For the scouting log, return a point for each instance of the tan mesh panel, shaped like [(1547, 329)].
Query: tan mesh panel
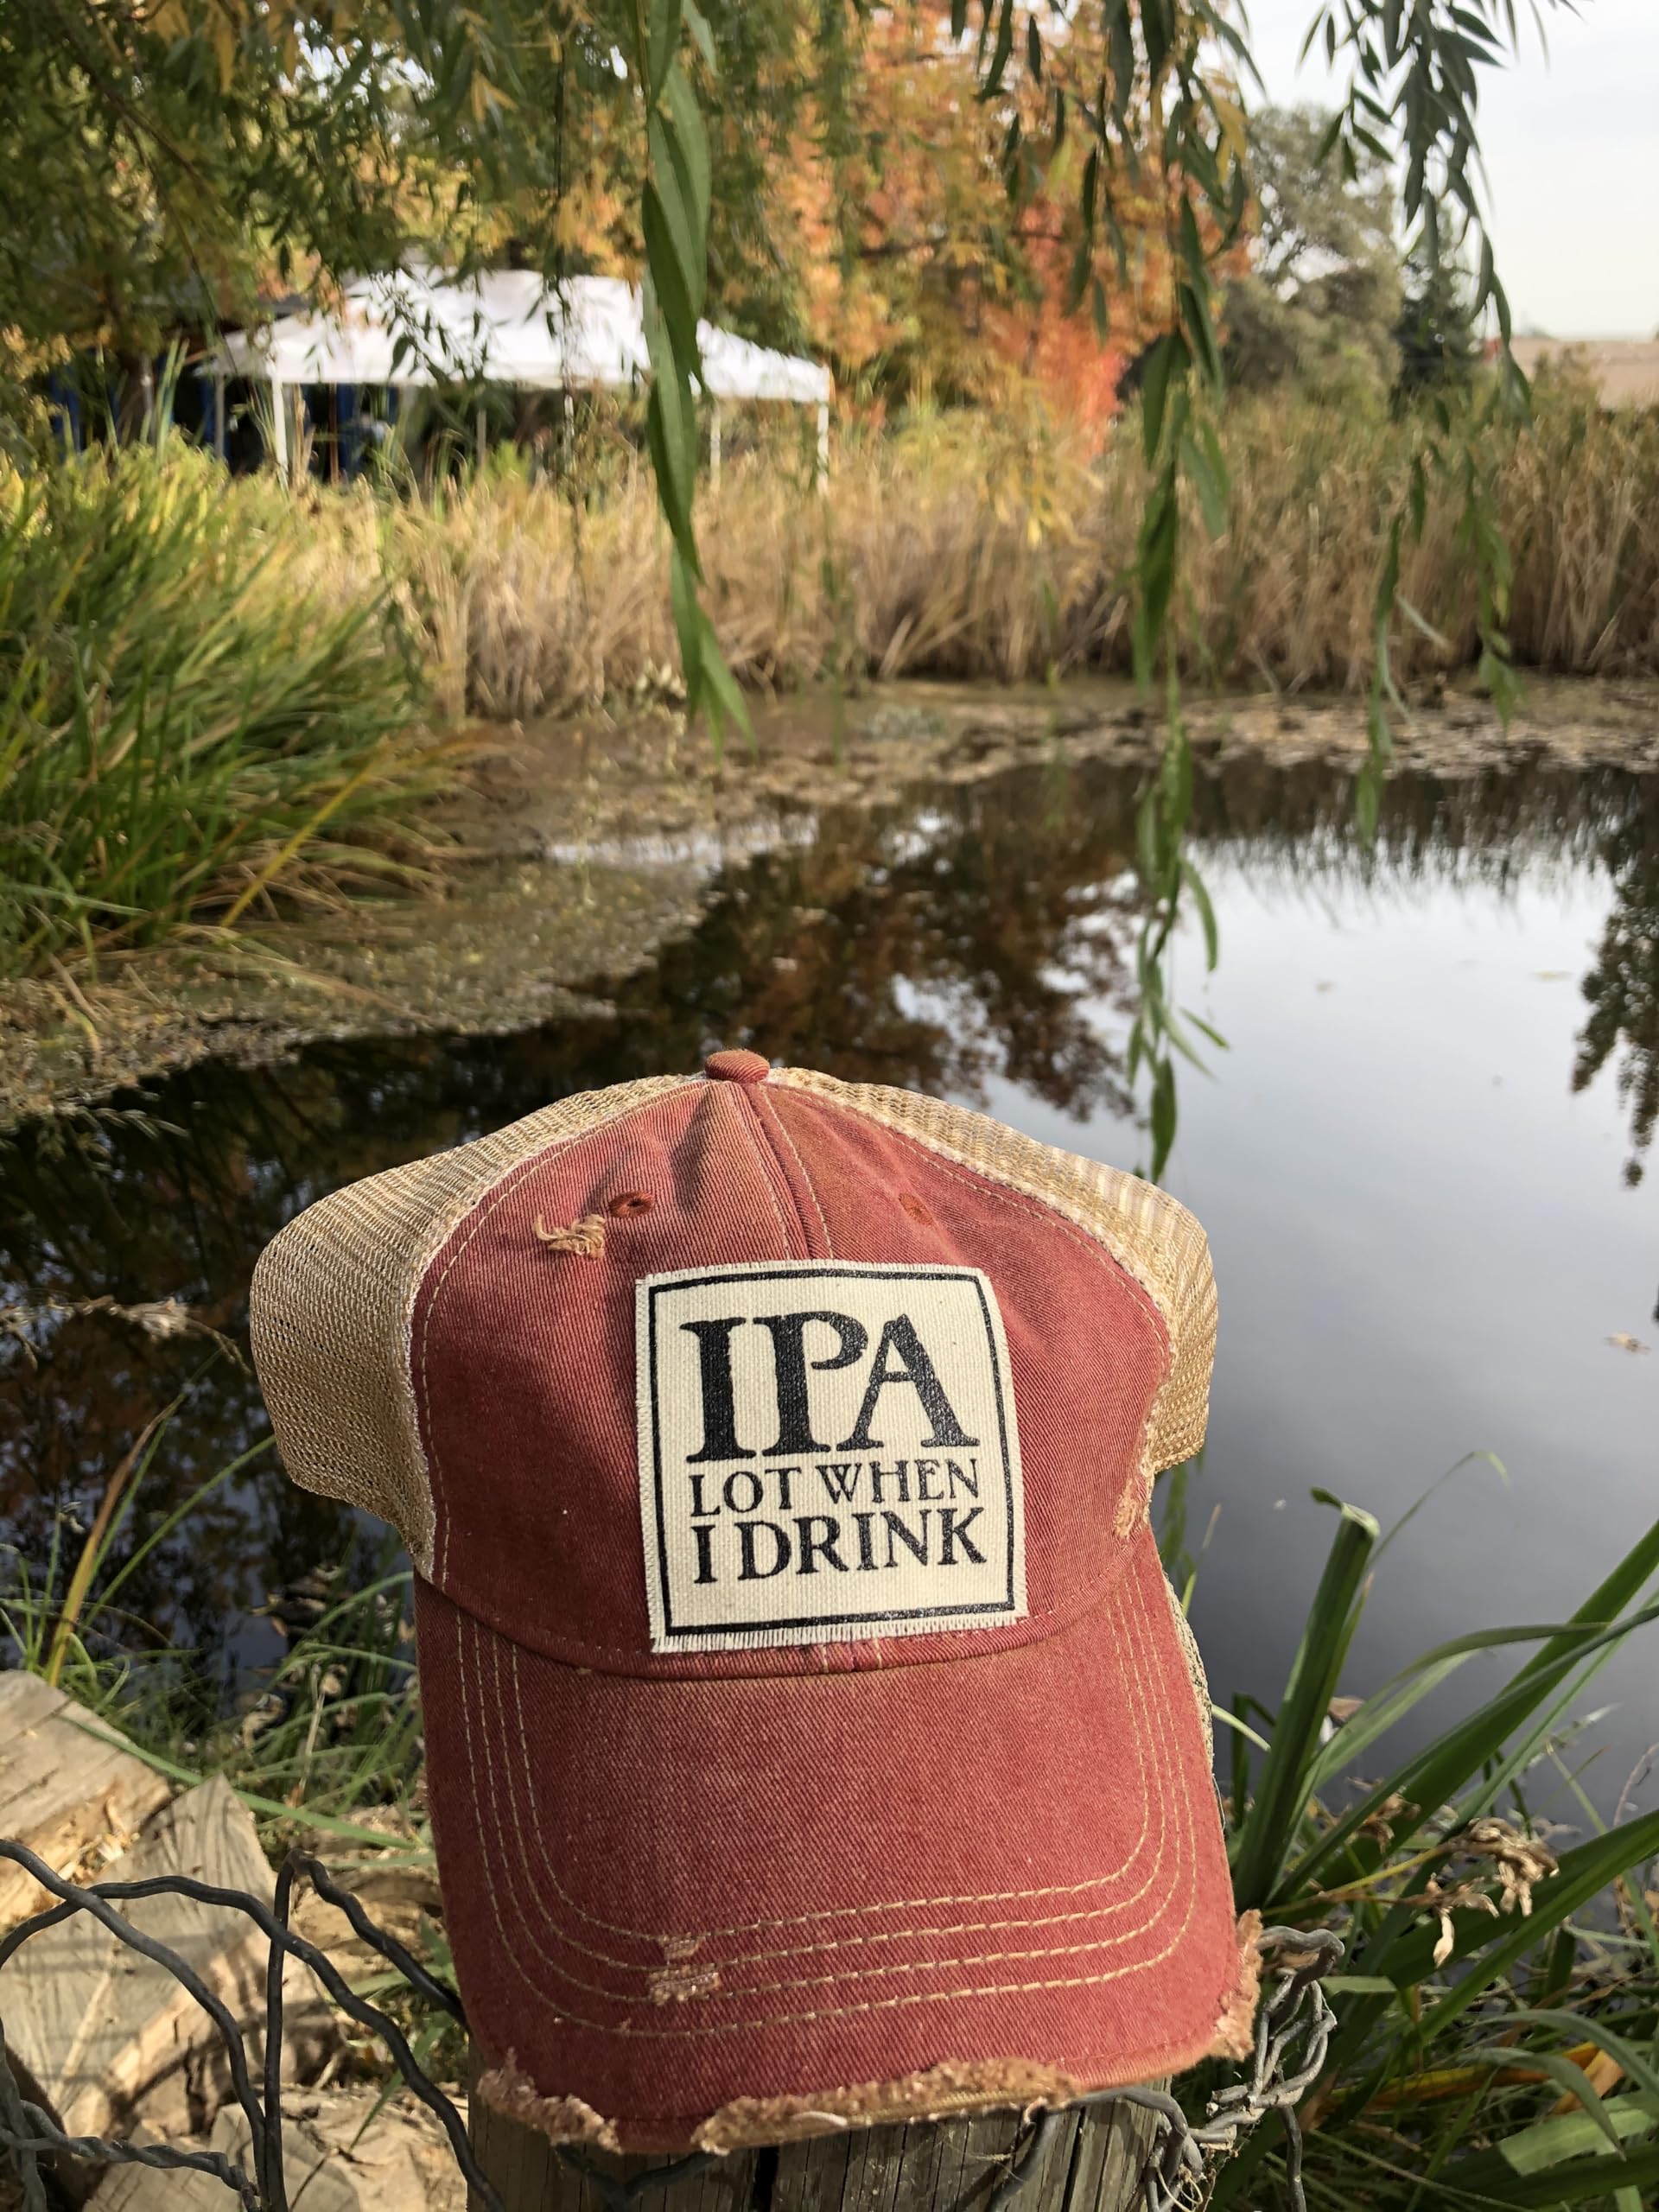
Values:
[(1147, 1232), (334, 1299)]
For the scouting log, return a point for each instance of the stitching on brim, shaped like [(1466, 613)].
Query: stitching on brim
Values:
[(488, 1860), (755, 1928), (952, 2088), (836, 1979)]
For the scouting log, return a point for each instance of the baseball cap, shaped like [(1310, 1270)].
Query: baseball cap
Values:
[(812, 1737)]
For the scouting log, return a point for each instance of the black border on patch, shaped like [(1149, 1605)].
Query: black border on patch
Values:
[(756, 1631)]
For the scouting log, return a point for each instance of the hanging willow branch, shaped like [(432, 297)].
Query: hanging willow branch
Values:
[(1166, 104), (674, 219)]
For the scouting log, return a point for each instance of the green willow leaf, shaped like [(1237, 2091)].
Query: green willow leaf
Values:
[(688, 626), (1212, 500), (702, 37), (674, 299), (1195, 884), (690, 144), (663, 37), (1161, 359)]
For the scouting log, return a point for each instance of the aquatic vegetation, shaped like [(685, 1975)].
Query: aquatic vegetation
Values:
[(193, 718), (1499, 2003)]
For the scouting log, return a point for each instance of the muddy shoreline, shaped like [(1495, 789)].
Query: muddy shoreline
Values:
[(581, 847)]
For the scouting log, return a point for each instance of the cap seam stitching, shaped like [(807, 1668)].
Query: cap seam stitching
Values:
[(776, 1123), (767, 1179)]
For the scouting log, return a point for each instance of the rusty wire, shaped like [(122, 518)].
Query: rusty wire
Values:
[(1292, 2030)]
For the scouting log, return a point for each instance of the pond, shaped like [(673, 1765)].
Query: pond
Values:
[(1418, 1163)]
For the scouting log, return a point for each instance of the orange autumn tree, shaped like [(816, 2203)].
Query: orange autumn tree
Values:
[(915, 268)]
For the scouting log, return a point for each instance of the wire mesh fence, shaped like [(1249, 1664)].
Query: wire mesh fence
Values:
[(1292, 2030)]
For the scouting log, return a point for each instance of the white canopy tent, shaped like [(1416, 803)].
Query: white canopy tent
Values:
[(507, 328)]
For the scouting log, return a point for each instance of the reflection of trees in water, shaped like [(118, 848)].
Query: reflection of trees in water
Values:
[(961, 938), (1623, 986), (1295, 826), (1293, 829), (934, 947)]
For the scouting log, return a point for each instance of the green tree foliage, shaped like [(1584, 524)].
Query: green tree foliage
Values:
[(1320, 304), (185, 162)]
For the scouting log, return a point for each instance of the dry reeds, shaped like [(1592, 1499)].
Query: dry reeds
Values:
[(968, 548)]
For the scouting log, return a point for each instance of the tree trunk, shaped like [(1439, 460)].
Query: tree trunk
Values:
[(1092, 2162)]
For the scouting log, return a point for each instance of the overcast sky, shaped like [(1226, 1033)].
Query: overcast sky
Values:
[(1571, 141)]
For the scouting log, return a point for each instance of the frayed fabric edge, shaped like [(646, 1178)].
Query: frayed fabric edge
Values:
[(940, 2092), (945, 2091), (1235, 2029), (561, 2120)]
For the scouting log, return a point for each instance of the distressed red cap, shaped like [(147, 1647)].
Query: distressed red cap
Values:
[(812, 1737)]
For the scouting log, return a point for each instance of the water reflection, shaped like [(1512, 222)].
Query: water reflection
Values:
[(1623, 987), (975, 942)]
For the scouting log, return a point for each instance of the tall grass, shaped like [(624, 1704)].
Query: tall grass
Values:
[(967, 546), (1498, 2006), (211, 691), (195, 707)]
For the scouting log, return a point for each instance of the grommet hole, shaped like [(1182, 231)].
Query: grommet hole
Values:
[(913, 1206), (630, 1202)]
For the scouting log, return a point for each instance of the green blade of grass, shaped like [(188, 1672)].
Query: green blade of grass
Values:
[(1281, 1794), (1552, 2143), (1492, 2178), (299, 1816)]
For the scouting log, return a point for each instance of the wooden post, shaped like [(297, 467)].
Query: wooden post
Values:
[(1092, 2162)]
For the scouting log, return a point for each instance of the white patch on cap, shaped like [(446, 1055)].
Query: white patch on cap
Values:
[(827, 1452)]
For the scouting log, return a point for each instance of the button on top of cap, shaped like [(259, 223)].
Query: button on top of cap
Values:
[(736, 1067)]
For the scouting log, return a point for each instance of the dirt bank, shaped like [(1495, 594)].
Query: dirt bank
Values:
[(580, 848)]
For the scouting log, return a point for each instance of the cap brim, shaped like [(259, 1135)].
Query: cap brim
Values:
[(708, 1911)]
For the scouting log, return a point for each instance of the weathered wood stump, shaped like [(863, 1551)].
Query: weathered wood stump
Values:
[(1091, 2163)]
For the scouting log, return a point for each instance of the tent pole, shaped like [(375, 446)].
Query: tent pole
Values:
[(822, 473), (279, 426), (713, 444), (219, 387)]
